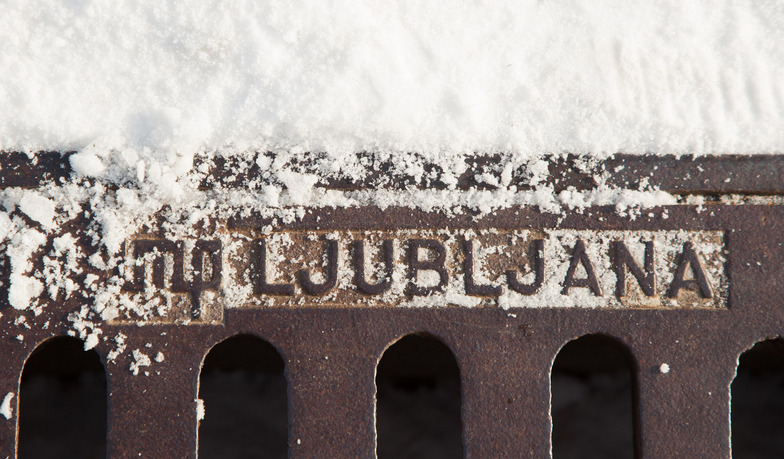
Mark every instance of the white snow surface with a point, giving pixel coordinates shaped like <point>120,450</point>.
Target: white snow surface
<point>161,81</point>
<point>38,208</point>
<point>200,412</point>
<point>5,407</point>
<point>140,359</point>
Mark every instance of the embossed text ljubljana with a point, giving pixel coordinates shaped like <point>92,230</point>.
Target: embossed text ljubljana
<point>525,268</point>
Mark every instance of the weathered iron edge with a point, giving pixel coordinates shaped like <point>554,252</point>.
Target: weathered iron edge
<point>679,174</point>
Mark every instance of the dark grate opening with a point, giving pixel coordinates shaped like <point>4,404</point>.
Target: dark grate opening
<point>418,400</point>
<point>243,388</point>
<point>758,402</point>
<point>593,400</point>
<point>62,405</point>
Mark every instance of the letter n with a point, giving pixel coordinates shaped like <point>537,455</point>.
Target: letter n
<point>623,261</point>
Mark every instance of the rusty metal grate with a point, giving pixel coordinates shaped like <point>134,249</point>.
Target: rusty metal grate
<point>331,339</point>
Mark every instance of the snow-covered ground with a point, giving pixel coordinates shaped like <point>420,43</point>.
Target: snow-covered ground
<point>170,78</point>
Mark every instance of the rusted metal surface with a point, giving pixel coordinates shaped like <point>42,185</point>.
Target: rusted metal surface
<point>505,356</point>
<point>682,174</point>
<point>18,170</point>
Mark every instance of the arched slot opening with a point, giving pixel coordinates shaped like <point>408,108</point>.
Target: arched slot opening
<point>593,404</point>
<point>243,388</point>
<point>62,402</point>
<point>758,402</point>
<point>418,400</point>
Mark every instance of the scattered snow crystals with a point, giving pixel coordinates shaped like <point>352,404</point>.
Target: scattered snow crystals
<point>5,407</point>
<point>23,289</point>
<point>6,225</point>
<point>61,264</point>
<point>87,163</point>
<point>120,342</point>
<point>159,357</point>
<point>89,281</point>
<point>85,329</point>
<point>38,208</point>
<point>90,341</point>
<point>199,409</point>
<point>140,359</point>
<point>299,186</point>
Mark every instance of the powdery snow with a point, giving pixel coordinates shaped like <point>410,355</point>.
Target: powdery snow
<point>163,80</point>
<point>38,208</point>
<point>20,248</point>
<point>5,407</point>
<point>200,409</point>
<point>140,359</point>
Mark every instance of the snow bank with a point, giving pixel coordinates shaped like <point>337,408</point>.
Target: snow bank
<point>163,80</point>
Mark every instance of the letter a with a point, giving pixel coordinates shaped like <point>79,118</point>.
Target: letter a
<point>580,257</point>
<point>689,258</point>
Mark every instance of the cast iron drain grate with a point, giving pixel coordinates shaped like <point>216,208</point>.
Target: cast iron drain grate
<point>686,287</point>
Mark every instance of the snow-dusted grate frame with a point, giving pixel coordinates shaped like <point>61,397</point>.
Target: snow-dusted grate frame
<point>505,351</point>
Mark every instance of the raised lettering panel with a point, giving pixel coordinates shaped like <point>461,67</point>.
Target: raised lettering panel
<point>191,281</point>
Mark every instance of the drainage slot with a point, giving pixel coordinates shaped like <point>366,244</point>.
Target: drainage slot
<point>243,389</point>
<point>418,400</point>
<point>593,401</point>
<point>62,403</point>
<point>758,402</point>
